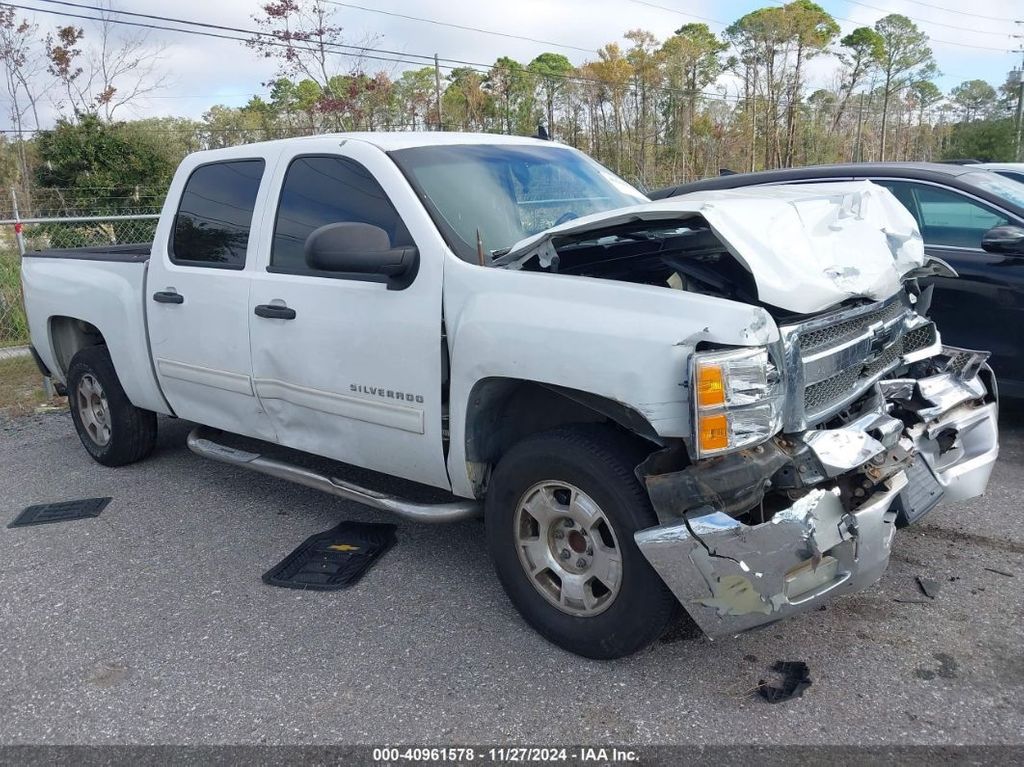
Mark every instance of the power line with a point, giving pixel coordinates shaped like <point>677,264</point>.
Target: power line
<point>453,25</point>
<point>272,39</point>
<point>961,13</point>
<point>276,42</point>
<point>933,23</point>
<point>679,12</point>
<point>930,38</point>
<point>204,25</point>
<point>840,18</point>
<point>364,53</point>
<point>390,56</point>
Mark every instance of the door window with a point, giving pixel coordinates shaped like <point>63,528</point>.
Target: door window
<point>320,190</point>
<point>211,227</point>
<point>946,218</point>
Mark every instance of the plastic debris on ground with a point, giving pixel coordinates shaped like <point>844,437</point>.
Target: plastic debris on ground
<point>796,678</point>
<point>930,588</point>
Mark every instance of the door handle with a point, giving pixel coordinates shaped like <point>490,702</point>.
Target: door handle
<point>275,312</point>
<point>168,297</point>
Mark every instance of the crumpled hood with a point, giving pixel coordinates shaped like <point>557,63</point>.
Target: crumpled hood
<point>808,246</point>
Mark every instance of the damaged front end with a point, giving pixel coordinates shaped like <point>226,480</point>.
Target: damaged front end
<point>880,423</point>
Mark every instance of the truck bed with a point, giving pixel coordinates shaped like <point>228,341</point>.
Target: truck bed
<point>130,253</point>
<point>103,287</point>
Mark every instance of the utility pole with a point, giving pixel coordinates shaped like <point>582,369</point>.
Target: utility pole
<point>1017,76</point>
<point>858,152</point>
<point>437,92</point>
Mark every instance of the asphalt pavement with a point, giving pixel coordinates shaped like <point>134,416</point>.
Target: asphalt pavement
<point>150,624</point>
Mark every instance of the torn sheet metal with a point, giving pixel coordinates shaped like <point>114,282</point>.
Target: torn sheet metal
<point>732,577</point>
<point>958,381</point>
<point>864,477</point>
<point>808,246</point>
<point>958,436</point>
<point>964,470</point>
<point>736,482</point>
<point>842,450</point>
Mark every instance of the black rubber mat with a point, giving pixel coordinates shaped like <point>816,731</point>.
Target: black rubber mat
<point>45,513</point>
<point>334,559</point>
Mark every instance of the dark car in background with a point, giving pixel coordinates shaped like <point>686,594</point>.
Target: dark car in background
<point>971,218</point>
<point>1011,170</point>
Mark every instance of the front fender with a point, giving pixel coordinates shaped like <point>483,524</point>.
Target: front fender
<point>623,342</point>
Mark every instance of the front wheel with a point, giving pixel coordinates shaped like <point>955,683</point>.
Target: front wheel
<point>111,428</point>
<point>561,512</point>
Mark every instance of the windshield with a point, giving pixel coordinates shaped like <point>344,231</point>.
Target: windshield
<point>502,193</point>
<point>1009,190</point>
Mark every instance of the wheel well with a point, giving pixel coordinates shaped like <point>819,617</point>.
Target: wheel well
<point>68,336</point>
<point>502,411</point>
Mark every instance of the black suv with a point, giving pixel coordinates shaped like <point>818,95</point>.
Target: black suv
<point>970,218</point>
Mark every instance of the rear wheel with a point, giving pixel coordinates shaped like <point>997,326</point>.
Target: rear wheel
<point>111,428</point>
<point>561,511</point>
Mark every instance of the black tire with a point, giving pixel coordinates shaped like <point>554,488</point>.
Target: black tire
<point>132,430</point>
<point>600,461</point>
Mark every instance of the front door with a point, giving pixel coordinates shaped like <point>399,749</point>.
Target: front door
<point>197,296</point>
<point>349,366</point>
<point>984,307</point>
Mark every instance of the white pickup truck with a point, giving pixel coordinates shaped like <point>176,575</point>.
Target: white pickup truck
<point>726,403</point>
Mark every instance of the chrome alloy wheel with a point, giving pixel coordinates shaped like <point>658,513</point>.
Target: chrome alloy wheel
<point>93,409</point>
<point>568,549</point>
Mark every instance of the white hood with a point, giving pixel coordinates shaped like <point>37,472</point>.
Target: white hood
<point>808,246</point>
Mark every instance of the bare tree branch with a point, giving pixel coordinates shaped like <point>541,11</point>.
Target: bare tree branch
<point>117,70</point>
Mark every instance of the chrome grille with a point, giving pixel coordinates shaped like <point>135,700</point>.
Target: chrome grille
<point>959,361</point>
<point>833,335</point>
<point>821,396</point>
<point>836,358</point>
<point>920,337</point>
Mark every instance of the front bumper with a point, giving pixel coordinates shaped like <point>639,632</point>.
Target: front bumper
<point>918,442</point>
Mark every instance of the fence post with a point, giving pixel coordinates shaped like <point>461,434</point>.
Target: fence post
<point>18,233</point>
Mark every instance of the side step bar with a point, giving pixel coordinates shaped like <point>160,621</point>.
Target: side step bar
<point>200,443</point>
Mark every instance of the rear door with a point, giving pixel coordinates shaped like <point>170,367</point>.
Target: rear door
<point>984,307</point>
<point>197,295</point>
<point>349,366</point>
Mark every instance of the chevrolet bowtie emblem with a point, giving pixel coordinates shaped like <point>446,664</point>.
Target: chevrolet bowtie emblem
<point>882,338</point>
<point>343,547</point>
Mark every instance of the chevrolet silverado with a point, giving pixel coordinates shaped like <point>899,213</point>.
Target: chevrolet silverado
<point>726,403</point>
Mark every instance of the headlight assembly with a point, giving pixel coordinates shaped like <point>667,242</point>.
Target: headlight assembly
<point>737,399</point>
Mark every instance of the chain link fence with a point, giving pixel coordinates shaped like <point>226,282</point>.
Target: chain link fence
<point>59,202</point>
<point>13,326</point>
<point>20,235</point>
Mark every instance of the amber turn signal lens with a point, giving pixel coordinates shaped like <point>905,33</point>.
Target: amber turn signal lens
<point>710,386</point>
<point>713,432</point>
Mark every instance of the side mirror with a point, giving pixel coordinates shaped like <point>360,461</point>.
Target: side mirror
<point>1004,239</point>
<point>357,248</point>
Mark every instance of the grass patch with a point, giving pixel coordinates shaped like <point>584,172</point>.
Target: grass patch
<point>21,386</point>
<point>13,325</point>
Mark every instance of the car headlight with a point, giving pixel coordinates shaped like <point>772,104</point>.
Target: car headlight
<point>737,399</point>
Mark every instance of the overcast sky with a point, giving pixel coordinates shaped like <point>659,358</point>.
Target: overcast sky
<point>206,71</point>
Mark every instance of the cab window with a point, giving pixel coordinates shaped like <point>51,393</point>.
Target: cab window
<point>320,190</point>
<point>211,227</point>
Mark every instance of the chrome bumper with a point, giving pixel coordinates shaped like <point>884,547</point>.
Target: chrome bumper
<point>732,577</point>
